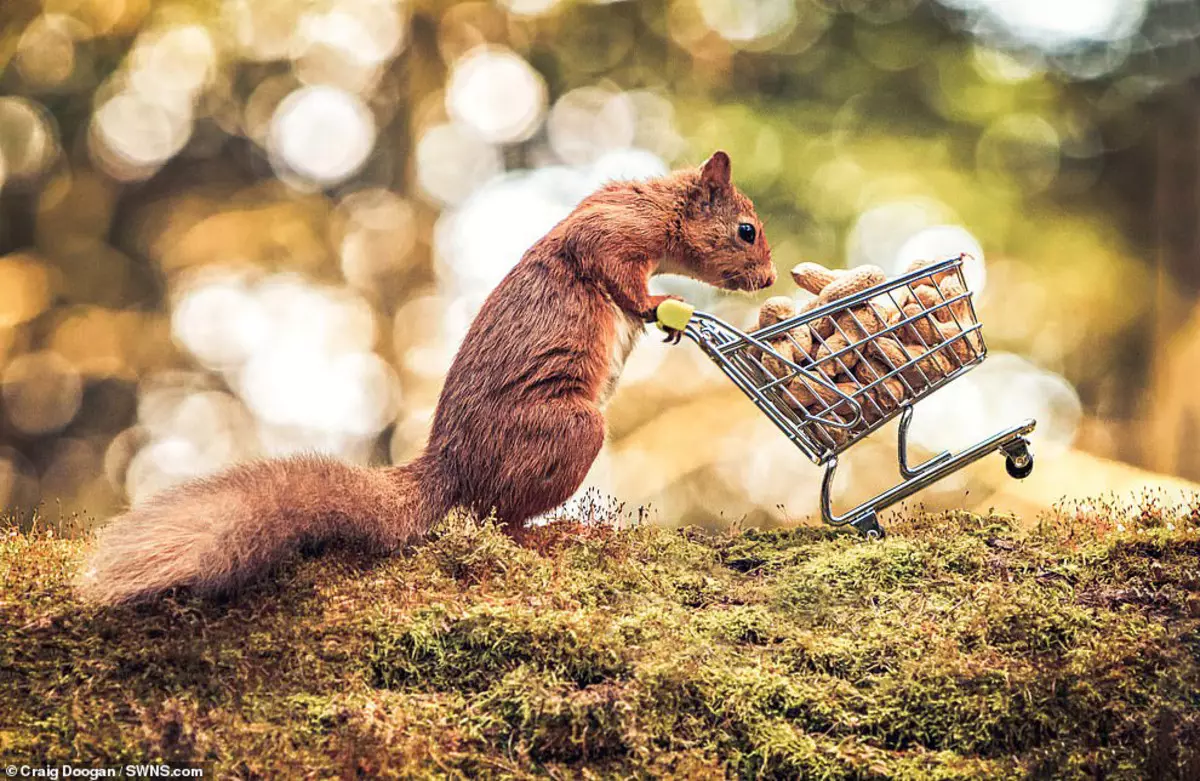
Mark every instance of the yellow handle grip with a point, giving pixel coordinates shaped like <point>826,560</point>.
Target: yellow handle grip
<point>674,314</point>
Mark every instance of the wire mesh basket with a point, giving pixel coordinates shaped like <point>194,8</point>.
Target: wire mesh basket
<point>830,376</point>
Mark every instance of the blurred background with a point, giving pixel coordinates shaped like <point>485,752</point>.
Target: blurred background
<point>237,228</point>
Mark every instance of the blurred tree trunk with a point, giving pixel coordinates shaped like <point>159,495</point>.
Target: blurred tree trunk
<point>1173,428</point>
<point>1177,212</point>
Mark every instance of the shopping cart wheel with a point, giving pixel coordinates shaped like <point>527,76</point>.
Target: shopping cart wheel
<point>1018,461</point>
<point>869,527</point>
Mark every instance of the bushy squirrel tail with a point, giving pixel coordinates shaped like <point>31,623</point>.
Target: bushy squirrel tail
<point>216,533</point>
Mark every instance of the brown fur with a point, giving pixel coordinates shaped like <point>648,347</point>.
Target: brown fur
<point>518,423</point>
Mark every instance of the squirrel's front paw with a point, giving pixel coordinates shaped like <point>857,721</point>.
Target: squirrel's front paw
<point>651,316</point>
<point>650,313</point>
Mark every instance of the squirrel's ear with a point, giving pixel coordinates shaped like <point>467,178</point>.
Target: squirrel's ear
<point>715,171</point>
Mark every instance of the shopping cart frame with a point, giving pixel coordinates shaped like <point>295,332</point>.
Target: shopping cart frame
<point>741,356</point>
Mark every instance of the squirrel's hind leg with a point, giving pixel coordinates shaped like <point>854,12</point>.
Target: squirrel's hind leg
<point>553,447</point>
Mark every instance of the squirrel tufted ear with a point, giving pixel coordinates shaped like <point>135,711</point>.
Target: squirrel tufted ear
<point>715,171</point>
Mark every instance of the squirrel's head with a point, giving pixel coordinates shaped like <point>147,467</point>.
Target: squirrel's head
<point>721,237</point>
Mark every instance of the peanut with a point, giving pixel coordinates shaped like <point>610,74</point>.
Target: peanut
<point>922,330</point>
<point>960,346</point>
<point>895,355</point>
<point>959,313</point>
<point>833,434</point>
<point>879,371</point>
<point>802,341</point>
<point>928,297</point>
<point>885,396</point>
<point>843,413</point>
<point>949,319</point>
<point>852,282</point>
<point>931,368</point>
<point>861,321</point>
<point>794,345</point>
<point>814,277</point>
<point>959,310</point>
<point>830,366</point>
<point>822,327</point>
<point>899,298</point>
<point>851,389</point>
<point>777,365</point>
<point>889,309</point>
<point>933,279</point>
<point>946,291</point>
<point>775,310</point>
<point>810,392</point>
<point>939,326</point>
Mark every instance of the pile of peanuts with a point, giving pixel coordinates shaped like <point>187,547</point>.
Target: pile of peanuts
<point>816,347</point>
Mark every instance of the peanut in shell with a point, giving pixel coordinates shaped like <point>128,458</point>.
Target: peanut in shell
<point>777,368</point>
<point>932,367</point>
<point>933,279</point>
<point>832,366</point>
<point>959,310</point>
<point>861,321</point>
<point>853,281</point>
<point>822,327</point>
<point>894,355</point>
<point>775,310</point>
<point>814,277</point>
<point>802,341</point>
<point>810,392</point>
<point>921,329</point>
<point>884,395</point>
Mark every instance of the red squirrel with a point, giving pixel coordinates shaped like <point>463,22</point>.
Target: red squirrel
<point>519,421</point>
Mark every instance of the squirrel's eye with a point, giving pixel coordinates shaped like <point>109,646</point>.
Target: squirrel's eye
<point>746,232</point>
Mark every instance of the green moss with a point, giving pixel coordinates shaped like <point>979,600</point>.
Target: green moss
<point>959,647</point>
<point>470,651</point>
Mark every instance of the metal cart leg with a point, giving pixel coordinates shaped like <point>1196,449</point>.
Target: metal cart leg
<point>1012,442</point>
<point>902,448</point>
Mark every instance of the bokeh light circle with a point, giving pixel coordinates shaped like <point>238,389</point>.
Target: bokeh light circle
<point>19,488</point>
<point>173,63</point>
<point>497,94</point>
<point>1021,150</point>
<point>46,52</point>
<point>881,230</point>
<point>28,139</point>
<point>348,44</point>
<point>624,165</point>
<point>220,322</point>
<point>589,121</point>
<point>453,162</point>
<point>482,240</point>
<point>42,392</point>
<point>1005,387</point>
<point>133,135</point>
<point>748,20</point>
<point>25,289</point>
<point>1056,25</point>
<point>322,134</point>
<point>378,233</point>
<point>529,7</point>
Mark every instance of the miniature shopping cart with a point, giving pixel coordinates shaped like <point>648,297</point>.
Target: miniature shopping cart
<point>939,337</point>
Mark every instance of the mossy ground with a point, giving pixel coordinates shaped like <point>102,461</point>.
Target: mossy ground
<point>959,647</point>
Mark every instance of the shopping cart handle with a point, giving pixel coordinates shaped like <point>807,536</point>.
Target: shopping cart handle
<point>674,315</point>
